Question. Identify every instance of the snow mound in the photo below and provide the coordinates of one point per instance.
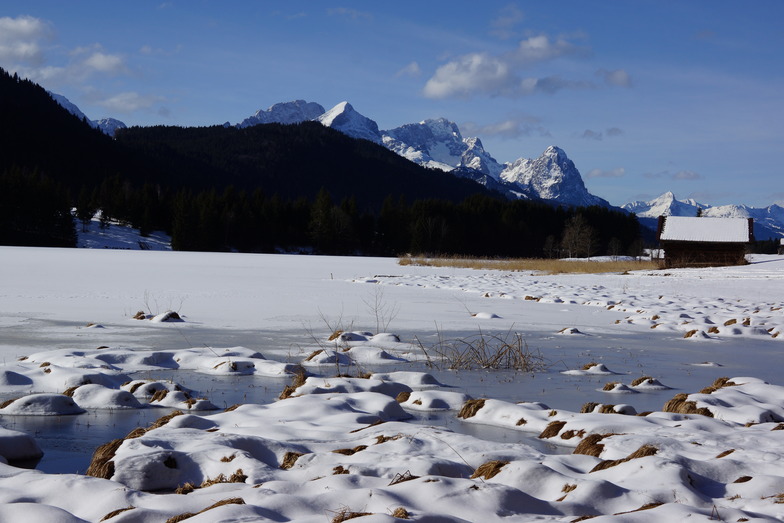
(42, 405)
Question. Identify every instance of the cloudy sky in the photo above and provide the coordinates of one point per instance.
(644, 96)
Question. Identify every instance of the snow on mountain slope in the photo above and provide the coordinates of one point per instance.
(109, 125)
(345, 119)
(552, 176)
(285, 113)
(664, 205)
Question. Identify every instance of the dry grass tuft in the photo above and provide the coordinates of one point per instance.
(374, 424)
(733, 321)
(568, 488)
(720, 383)
(589, 407)
(521, 421)
(314, 354)
(548, 266)
(400, 478)
(339, 470)
(159, 395)
(680, 404)
(691, 333)
(101, 465)
(188, 515)
(780, 426)
(590, 445)
(642, 452)
(187, 488)
(70, 391)
(289, 459)
(483, 351)
(743, 479)
(403, 396)
(489, 469)
(163, 420)
(590, 365)
(569, 434)
(552, 429)
(641, 380)
(335, 335)
(400, 513)
(725, 453)
(470, 408)
(297, 380)
(346, 513)
(610, 385)
(647, 506)
(7, 403)
(113, 513)
(350, 452)
(232, 407)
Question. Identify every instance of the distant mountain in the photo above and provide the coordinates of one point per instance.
(285, 113)
(345, 119)
(768, 221)
(107, 125)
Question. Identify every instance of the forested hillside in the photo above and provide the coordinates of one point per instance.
(264, 188)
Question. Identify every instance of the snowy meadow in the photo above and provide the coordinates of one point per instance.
(145, 386)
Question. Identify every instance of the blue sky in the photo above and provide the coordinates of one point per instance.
(644, 96)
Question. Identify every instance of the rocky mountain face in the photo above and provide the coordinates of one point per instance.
(768, 221)
(285, 113)
(106, 125)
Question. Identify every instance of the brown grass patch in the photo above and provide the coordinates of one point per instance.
(489, 469)
(725, 453)
(335, 335)
(314, 354)
(743, 479)
(297, 380)
(140, 315)
(374, 424)
(720, 383)
(552, 429)
(163, 420)
(713, 330)
(470, 408)
(569, 434)
(383, 439)
(101, 465)
(232, 407)
(647, 506)
(187, 488)
(568, 488)
(346, 513)
(642, 452)
(548, 266)
(350, 452)
(587, 408)
(780, 426)
(733, 321)
(590, 365)
(113, 513)
(691, 333)
(607, 409)
(187, 515)
(679, 404)
(641, 380)
(590, 445)
(610, 385)
(237, 477)
(583, 518)
(339, 470)
(159, 395)
(400, 513)
(7, 403)
(521, 421)
(403, 396)
(289, 459)
(70, 391)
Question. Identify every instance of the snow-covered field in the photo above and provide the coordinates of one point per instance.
(388, 444)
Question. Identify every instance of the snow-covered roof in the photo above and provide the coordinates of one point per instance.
(702, 229)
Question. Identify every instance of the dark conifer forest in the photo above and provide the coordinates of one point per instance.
(264, 189)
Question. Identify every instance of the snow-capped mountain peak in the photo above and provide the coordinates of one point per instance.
(344, 118)
(106, 125)
(285, 113)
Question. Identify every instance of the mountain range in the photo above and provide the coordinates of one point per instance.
(768, 221)
(438, 144)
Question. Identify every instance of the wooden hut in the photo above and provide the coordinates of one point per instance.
(704, 242)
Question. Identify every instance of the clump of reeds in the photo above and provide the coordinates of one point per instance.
(346, 513)
(113, 513)
(350, 452)
(507, 351)
(552, 429)
(297, 380)
(489, 469)
(680, 404)
(403, 396)
(720, 383)
(643, 451)
(188, 515)
(400, 513)
(590, 445)
(289, 459)
(470, 408)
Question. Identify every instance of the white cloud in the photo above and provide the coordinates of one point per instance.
(501, 75)
(619, 77)
(412, 70)
(105, 63)
(508, 18)
(508, 129)
(129, 101)
(613, 173)
(22, 39)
